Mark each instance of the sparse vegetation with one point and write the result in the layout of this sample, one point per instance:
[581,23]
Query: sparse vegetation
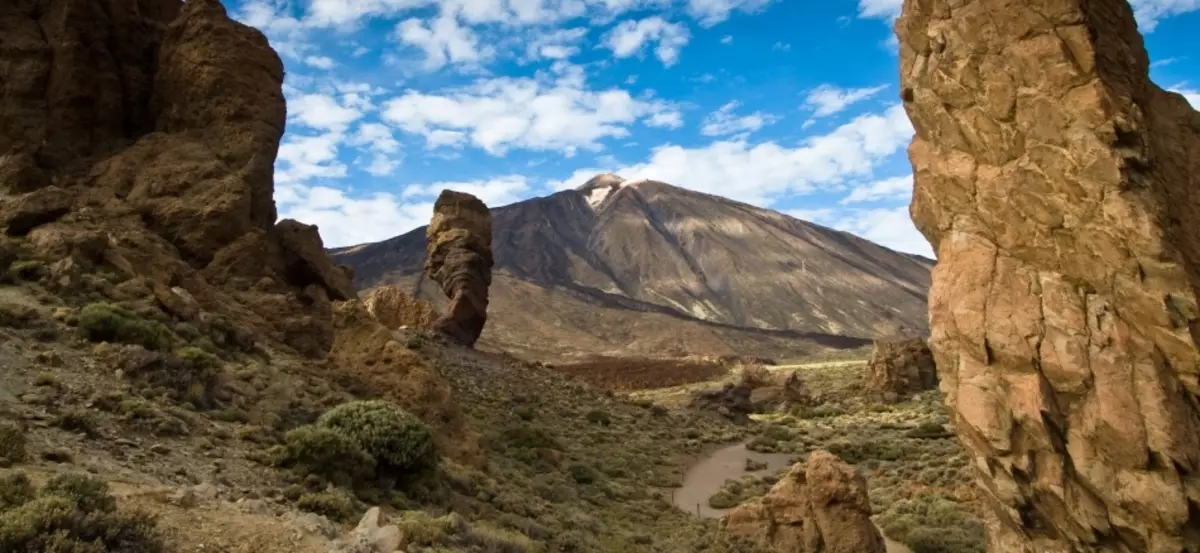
[104,322]
[398,441]
[12,445]
[72,513]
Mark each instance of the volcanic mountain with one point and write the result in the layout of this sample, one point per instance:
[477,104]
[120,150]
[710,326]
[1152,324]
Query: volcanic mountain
[619,265]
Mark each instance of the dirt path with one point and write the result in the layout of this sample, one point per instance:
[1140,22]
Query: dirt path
[705,477]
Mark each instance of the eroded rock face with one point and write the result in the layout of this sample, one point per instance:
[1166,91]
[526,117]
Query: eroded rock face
[395,309]
[819,507]
[1059,188]
[900,369]
[459,246]
[142,135]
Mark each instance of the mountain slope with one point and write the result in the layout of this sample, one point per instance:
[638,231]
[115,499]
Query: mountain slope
[647,246]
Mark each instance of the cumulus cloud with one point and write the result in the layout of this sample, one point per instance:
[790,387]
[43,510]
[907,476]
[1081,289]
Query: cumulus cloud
[891,227]
[531,113]
[827,99]
[322,111]
[559,44]
[725,122]
[443,41]
[711,12]
[630,37]
[345,219]
[894,188]
[762,173]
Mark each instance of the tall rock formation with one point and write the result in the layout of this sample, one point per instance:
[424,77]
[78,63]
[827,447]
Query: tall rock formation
[459,259]
[141,136]
[901,369]
[1061,191]
[819,507]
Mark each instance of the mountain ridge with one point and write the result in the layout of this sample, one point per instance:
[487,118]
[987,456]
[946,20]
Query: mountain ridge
[649,246]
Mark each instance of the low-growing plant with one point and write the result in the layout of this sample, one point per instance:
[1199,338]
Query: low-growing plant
[27,270]
[12,445]
[335,505]
[328,453]
[399,442]
[599,417]
[104,322]
[72,513]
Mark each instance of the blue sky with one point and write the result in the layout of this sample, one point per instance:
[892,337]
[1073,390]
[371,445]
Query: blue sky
[786,104]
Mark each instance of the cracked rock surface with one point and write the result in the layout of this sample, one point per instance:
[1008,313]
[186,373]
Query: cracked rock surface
[1061,191]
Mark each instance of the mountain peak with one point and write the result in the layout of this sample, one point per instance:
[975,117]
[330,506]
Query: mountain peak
[600,187]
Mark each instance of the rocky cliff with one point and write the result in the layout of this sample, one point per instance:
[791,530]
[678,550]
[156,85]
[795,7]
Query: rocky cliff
[1060,189]
[459,259]
[140,137]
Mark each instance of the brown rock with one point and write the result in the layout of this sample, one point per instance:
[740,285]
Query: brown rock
[36,208]
[394,309]
[366,352]
[819,507]
[459,245]
[1058,186]
[147,132]
[307,263]
[901,369]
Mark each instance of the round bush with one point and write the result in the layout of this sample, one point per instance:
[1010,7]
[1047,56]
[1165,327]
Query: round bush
[328,453]
[394,437]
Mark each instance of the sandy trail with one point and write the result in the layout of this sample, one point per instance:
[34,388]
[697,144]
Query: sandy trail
[705,477]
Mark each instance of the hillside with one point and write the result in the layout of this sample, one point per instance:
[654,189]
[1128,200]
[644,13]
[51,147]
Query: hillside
[676,261]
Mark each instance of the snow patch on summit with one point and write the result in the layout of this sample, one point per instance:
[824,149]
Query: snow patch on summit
[600,187]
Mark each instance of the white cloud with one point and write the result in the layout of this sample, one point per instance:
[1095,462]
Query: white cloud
[894,188]
[322,111]
[377,139]
[493,192]
[1165,62]
[711,12]
[665,119]
[762,173]
[302,158]
[1150,12]
[559,44]
[630,37]
[782,47]
[444,41]
[880,9]
[727,39]
[1191,95]
[503,113]
[345,220]
[826,100]
[320,62]
[724,122]
[890,227]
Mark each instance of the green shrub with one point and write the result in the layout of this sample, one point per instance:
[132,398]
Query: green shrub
[723,500]
[78,420]
[71,514]
[528,436]
[599,417]
[17,316]
[12,445]
[395,438]
[582,473]
[103,322]
[328,453]
[335,505]
[15,490]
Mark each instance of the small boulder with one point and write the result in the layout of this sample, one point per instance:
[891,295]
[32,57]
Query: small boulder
[819,507]
[36,208]
[901,369]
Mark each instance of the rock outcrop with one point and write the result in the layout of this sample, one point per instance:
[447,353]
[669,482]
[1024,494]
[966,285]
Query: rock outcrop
[819,507]
[394,308]
[459,246]
[1059,187]
[900,369]
[141,136]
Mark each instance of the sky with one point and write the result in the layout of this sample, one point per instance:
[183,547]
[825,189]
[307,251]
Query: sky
[791,105]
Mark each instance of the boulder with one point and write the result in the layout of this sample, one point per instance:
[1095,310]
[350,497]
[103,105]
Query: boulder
[900,369]
[394,308]
[1058,186]
[459,259]
[820,506]
[142,135]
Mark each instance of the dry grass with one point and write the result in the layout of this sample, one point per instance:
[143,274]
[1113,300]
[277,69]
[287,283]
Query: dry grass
[627,374]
